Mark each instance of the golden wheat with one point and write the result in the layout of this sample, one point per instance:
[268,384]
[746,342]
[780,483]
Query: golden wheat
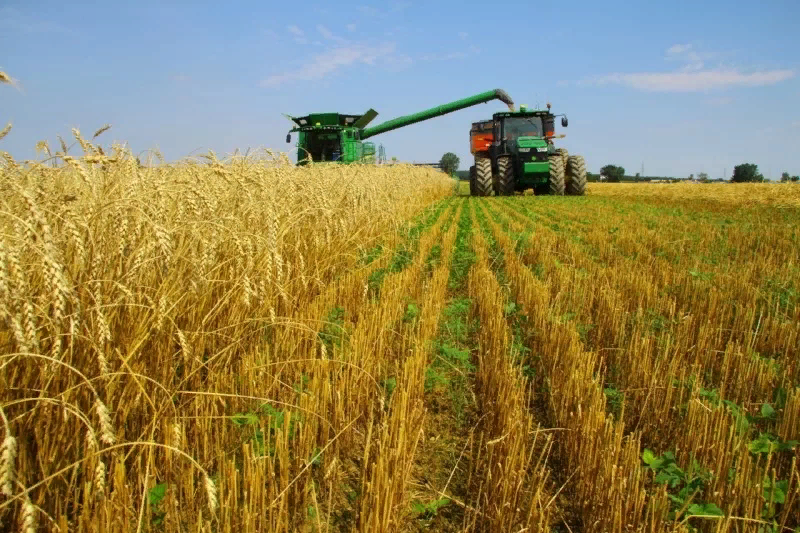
[239,344]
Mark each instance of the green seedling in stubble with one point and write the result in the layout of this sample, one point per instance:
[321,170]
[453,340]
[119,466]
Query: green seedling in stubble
[427,511]
[683,486]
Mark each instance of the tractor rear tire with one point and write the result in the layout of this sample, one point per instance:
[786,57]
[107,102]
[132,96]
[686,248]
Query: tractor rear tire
[506,182]
[564,155]
[472,174]
[483,176]
[556,181]
[576,176]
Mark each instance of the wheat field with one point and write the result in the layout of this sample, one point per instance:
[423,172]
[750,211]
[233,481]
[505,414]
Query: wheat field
[240,345]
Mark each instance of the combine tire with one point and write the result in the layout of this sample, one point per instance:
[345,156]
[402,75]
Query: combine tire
[483,176]
[576,176]
[472,187]
[506,184]
[564,155]
[556,175]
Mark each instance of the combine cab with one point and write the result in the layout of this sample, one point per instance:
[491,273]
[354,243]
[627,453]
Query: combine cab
[514,151]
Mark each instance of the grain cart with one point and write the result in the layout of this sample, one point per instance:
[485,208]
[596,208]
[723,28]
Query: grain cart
[514,151]
[337,137]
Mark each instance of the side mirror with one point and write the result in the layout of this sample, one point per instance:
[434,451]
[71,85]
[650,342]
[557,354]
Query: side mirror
[564,122]
[288,137]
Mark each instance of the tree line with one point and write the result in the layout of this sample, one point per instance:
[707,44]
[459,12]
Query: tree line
[743,173]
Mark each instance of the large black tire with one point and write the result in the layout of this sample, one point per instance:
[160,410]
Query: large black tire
[506,181]
[576,176]
[564,155]
[556,181]
[483,176]
[472,174]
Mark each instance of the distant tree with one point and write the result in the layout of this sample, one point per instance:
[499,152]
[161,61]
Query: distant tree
[703,177]
[795,179]
[613,173]
[449,163]
[691,177]
[785,177]
[746,173]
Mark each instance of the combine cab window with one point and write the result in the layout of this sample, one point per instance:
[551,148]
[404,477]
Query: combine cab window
[324,146]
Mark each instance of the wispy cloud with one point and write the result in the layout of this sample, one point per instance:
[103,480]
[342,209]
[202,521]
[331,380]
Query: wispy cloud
[463,35]
[12,20]
[351,27]
[449,56]
[693,75]
[299,35]
[339,57]
[329,35]
[341,53]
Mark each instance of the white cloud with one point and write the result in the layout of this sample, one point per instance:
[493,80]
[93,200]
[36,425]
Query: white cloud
[328,62]
[299,35]
[328,34]
[351,27]
[463,35]
[693,75]
[703,80]
[451,55]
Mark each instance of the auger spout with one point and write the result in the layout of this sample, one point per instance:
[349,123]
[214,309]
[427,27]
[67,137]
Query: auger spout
[399,122]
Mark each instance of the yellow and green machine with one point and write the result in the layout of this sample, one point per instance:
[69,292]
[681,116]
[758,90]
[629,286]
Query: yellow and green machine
[339,137]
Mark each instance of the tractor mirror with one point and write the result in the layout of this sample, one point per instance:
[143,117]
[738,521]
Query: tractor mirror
[288,137]
[564,122]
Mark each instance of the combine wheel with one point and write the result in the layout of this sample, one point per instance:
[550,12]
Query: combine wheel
[472,186]
[506,182]
[576,175]
[483,176]
[556,175]
[564,155]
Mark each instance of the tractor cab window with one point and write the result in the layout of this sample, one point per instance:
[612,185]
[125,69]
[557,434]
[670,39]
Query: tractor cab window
[514,127]
[323,146]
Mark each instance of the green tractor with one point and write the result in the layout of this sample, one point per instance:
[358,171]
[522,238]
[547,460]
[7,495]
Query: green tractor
[337,137]
[514,151]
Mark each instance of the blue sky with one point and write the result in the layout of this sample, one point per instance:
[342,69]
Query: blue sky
[681,87]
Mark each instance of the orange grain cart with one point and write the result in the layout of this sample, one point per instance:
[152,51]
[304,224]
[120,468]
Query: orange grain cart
[481,137]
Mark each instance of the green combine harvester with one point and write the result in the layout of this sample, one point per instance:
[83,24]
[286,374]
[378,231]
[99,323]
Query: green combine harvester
[514,151]
[336,137]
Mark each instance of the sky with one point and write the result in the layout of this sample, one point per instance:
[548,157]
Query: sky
[675,87]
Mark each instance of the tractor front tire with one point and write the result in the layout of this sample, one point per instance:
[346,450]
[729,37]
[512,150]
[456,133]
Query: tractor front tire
[576,176]
[483,176]
[556,181]
[472,187]
[506,182]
